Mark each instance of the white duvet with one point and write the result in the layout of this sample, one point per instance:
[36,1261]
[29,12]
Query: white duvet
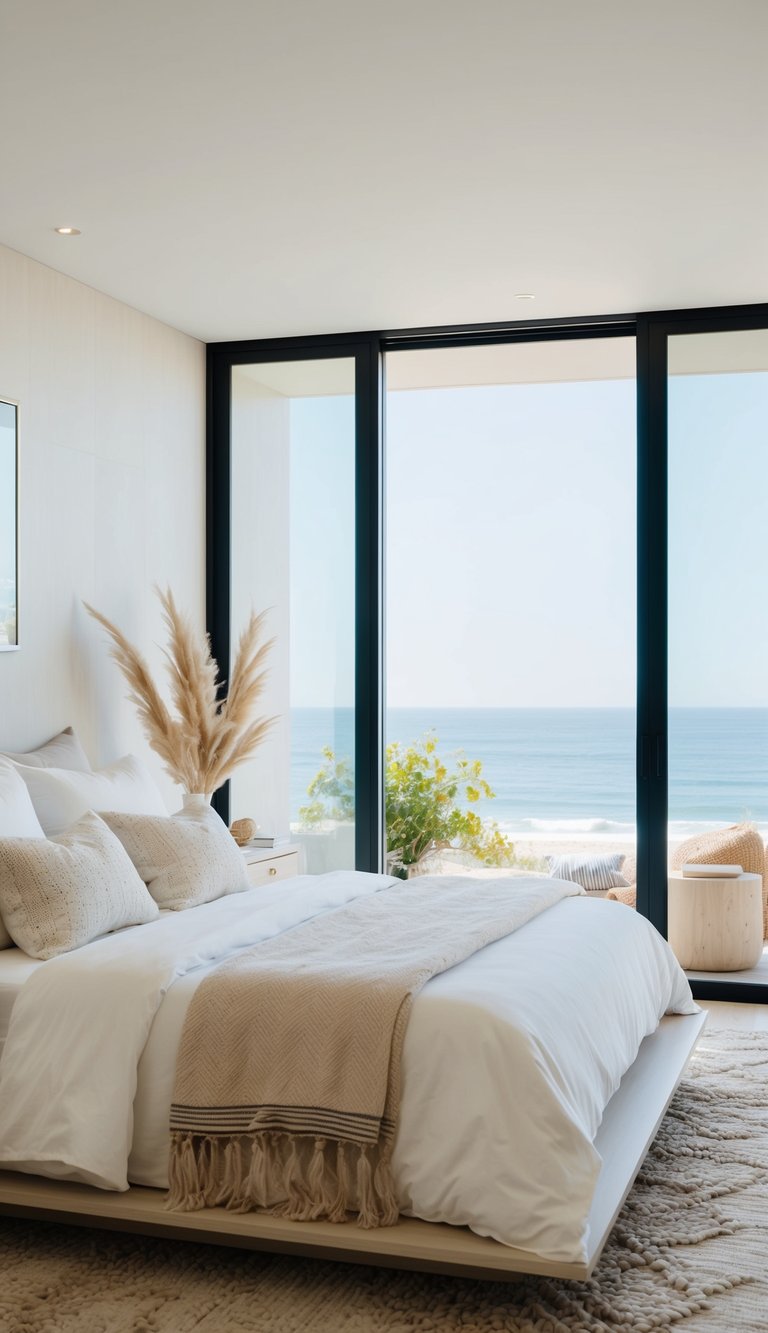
[509,1060]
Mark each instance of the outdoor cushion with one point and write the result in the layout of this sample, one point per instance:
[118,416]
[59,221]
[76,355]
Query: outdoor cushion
[593,873]
[740,844]
[627,896]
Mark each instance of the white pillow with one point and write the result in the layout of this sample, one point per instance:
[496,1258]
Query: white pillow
[62,751]
[61,797]
[17,819]
[185,860]
[59,893]
[17,813]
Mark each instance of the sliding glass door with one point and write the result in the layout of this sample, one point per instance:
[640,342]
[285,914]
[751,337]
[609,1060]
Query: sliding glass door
[574,650]
[511,610]
[297,499]
[718,634]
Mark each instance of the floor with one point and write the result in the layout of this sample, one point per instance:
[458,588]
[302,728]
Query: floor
[748,1017]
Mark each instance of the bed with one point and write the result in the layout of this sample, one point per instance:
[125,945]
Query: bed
[535,1075]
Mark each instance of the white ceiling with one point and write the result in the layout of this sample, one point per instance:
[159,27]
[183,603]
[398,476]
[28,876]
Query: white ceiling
[740,351]
[248,168]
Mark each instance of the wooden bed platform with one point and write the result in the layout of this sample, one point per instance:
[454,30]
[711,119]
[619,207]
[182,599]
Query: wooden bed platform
[629,1126]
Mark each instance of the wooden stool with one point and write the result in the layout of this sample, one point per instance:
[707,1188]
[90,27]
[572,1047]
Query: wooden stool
[716,925]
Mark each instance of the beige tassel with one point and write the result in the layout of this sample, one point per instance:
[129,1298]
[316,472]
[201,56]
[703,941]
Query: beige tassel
[238,1178]
[255,1192]
[384,1189]
[299,1203]
[230,1183]
[227,1179]
[214,1173]
[203,1169]
[320,1182]
[174,1199]
[291,1172]
[186,1193]
[206,1172]
[368,1214]
[338,1209]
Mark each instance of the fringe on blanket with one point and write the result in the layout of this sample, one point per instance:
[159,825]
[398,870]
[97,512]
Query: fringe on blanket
[311,1178]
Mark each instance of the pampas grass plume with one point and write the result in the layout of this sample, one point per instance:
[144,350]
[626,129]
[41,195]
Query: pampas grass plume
[206,737]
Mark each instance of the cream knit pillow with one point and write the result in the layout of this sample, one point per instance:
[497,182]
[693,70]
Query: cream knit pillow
[59,893]
[17,819]
[185,860]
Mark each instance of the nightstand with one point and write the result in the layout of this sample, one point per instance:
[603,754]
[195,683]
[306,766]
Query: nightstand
[266,864]
[716,925]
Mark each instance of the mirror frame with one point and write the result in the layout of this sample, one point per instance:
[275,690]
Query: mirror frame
[12,402]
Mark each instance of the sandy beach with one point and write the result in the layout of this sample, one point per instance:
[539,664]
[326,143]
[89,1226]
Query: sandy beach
[536,848]
[532,849]
[549,845]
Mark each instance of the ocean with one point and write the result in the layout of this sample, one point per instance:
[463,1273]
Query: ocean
[571,771]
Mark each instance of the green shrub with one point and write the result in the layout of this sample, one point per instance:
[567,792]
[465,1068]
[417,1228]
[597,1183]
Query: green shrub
[428,804]
[332,793]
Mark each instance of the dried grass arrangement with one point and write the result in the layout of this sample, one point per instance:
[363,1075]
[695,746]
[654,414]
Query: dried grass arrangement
[206,738]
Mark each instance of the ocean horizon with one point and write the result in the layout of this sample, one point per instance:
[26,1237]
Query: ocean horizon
[560,772]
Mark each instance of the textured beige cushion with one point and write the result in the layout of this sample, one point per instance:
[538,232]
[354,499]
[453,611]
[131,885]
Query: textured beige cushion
[62,751]
[185,860]
[59,893]
[739,845]
[17,819]
[628,896]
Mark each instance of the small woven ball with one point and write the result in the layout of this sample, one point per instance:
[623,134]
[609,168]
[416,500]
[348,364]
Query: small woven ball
[242,831]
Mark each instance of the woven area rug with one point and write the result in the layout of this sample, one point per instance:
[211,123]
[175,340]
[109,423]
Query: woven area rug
[689,1251]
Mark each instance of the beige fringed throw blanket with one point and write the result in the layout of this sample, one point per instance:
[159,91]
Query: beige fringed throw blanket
[288,1073]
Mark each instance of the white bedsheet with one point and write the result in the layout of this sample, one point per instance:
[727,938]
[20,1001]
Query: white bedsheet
[509,1059]
[15,967]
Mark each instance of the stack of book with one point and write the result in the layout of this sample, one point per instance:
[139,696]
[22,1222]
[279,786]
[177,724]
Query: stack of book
[691,871]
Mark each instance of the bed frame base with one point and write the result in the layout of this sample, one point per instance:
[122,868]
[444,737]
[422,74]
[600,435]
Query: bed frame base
[629,1126]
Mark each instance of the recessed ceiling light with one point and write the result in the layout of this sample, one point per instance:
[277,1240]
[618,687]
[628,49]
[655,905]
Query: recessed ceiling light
[67,231]
[525,296]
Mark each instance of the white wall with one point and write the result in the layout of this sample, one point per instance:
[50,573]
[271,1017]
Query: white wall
[261,580]
[112,496]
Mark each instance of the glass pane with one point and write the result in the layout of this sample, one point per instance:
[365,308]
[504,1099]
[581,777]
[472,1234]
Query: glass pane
[511,604]
[718,637]
[293,550]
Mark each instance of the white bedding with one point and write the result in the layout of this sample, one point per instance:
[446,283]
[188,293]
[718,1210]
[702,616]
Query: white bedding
[15,967]
[509,1058]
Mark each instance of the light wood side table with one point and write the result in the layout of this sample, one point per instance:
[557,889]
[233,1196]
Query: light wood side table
[716,925]
[267,864]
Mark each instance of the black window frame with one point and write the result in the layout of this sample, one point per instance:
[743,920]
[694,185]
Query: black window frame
[369,726]
[651,330]
[654,330]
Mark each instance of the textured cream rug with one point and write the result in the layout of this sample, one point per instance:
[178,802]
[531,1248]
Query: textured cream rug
[690,1250]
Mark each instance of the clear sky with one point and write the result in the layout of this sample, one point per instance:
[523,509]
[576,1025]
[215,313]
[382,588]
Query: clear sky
[511,545]
[510,563]
[322,548]
[718,493]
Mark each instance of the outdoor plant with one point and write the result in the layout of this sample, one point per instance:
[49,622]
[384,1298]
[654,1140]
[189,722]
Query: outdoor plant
[331,792]
[428,804]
